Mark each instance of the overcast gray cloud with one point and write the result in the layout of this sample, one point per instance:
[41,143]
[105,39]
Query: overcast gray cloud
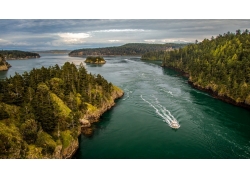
[76,34]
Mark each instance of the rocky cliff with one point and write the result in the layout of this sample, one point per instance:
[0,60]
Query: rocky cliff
[4,66]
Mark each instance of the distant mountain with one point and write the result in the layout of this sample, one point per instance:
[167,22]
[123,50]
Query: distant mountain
[127,49]
[54,51]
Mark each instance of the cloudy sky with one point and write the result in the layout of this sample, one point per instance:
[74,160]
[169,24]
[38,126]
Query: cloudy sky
[48,34]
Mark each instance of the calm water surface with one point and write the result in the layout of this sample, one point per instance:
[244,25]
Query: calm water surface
[137,126]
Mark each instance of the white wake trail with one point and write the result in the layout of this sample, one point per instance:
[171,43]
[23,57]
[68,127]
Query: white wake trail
[164,110]
[127,91]
[164,113]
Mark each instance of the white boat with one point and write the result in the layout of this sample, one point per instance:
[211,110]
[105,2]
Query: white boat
[174,124]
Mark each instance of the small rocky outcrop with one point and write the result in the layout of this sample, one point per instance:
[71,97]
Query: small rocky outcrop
[4,66]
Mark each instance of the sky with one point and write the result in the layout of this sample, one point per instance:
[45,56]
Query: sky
[70,34]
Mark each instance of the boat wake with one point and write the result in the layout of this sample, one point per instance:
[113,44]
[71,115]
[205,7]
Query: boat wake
[128,92]
[164,113]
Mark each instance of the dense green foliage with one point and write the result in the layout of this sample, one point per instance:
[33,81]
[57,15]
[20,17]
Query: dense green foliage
[95,60]
[15,54]
[221,64]
[154,55]
[41,109]
[127,49]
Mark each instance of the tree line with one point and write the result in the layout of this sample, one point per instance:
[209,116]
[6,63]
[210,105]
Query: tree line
[16,54]
[221,64]
[127,49]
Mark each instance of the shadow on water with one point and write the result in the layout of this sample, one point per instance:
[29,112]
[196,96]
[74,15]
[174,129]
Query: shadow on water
[235,118]
[173,73]
[98,128]
[156,62]
[95,65]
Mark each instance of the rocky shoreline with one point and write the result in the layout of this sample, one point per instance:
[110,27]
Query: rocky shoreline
[210,91]
[217,96]
[86,127]
[4,67]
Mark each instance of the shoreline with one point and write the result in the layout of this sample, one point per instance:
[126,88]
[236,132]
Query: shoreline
[209,91]
[30,57]
[92,117]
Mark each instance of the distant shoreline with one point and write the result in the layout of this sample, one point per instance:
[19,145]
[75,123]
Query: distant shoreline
[31,57]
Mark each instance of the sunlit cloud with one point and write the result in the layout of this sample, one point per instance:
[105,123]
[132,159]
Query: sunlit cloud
[73,35]
[175,40]
[72,38]
[150,40]
[120,30]
[115,40]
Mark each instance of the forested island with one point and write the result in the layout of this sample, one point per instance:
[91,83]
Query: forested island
[15,54]
[95,60]
[42,112]
[4,66]
[220,66]
[127,49]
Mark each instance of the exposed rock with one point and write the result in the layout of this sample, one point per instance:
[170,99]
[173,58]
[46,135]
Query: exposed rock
[87,131]
[70,150]
[4,68]
[85,123]
[94,116]
[58,152]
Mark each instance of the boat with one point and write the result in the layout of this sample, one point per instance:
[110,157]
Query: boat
[174,124]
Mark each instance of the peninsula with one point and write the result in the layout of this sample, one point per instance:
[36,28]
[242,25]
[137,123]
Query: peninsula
[42,112]
[16,54]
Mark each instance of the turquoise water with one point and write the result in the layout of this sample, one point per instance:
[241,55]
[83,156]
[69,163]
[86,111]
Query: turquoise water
[136,127]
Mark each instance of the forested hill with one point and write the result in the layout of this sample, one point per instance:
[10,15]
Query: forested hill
[15,54]
[220,65]
[41,111]
[127,49]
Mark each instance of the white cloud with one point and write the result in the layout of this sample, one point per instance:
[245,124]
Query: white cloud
[150,40]
[120,30]
[73,35]
[115,40]
[73,38]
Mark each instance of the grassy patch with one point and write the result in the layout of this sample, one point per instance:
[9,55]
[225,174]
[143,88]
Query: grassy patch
[66,138]
[91,108]
[46,142]
[10,141]
[117,89]
[63,108]
[34,152]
